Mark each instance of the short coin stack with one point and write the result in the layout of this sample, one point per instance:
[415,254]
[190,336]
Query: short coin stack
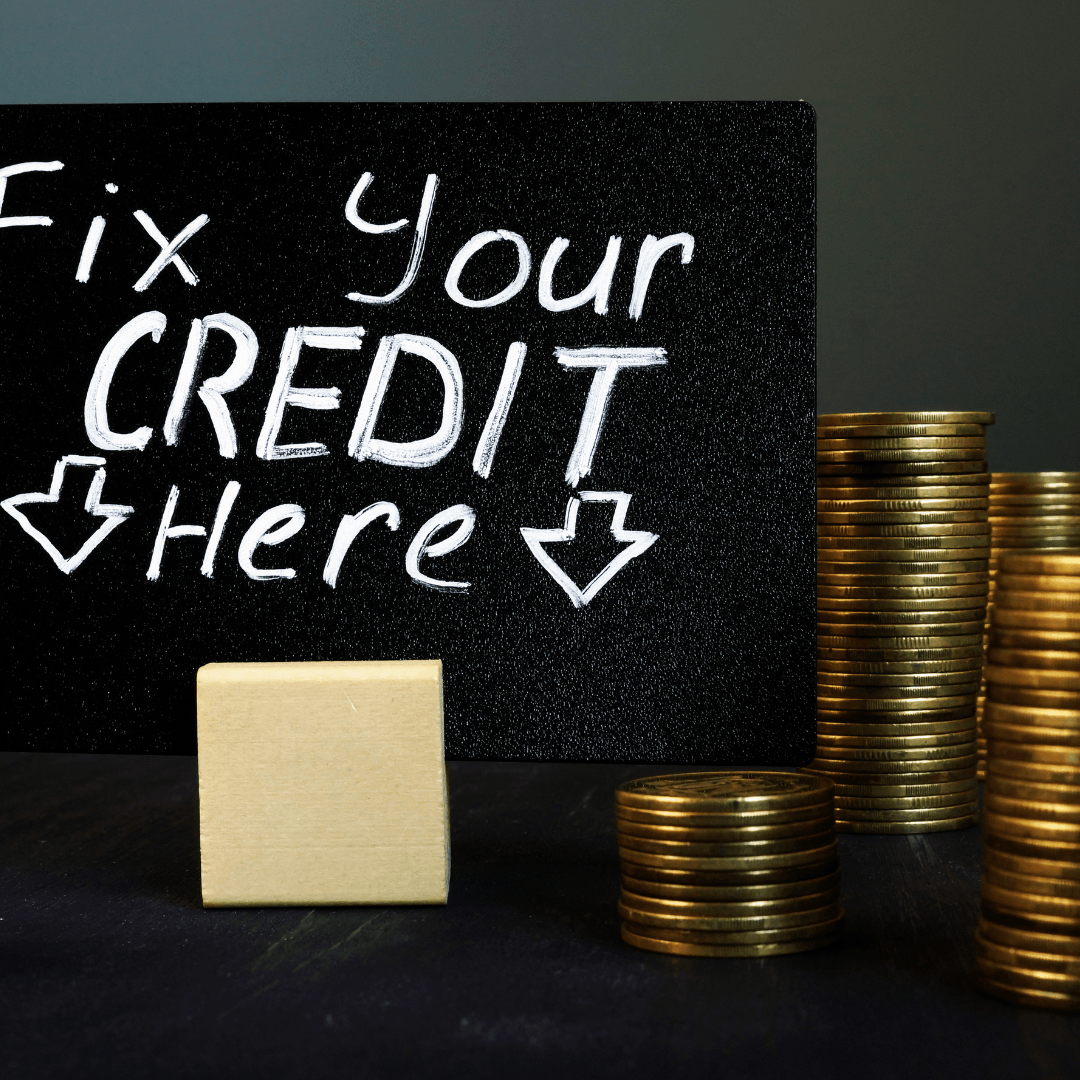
[1028,942]
[1029,510]
[728,863]
[903,546]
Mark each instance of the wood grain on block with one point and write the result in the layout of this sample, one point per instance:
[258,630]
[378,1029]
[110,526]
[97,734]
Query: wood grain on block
[322,783]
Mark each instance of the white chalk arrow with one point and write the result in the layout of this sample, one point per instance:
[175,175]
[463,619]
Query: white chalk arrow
[113,513]
[639,542]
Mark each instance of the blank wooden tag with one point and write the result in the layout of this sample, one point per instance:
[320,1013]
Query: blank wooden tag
[323,783]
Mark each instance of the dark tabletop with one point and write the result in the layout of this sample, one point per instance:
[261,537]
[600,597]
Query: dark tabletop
[110,967]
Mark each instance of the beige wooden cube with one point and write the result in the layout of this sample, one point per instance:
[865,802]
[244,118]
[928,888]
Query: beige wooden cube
[323,783]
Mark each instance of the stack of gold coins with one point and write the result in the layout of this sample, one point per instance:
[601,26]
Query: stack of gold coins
[728,863]
[1028,510]
[1028,942]
[903,546]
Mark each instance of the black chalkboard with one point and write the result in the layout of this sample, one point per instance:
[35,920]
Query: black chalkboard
[529,388]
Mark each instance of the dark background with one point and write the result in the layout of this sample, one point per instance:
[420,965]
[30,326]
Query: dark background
[948,148]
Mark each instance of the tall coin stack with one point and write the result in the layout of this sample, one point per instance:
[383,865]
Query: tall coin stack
[728,863]
[1028,941]
[1028,510]
[903,546]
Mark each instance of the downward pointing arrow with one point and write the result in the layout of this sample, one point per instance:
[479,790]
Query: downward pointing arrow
[113,513]
[639,542]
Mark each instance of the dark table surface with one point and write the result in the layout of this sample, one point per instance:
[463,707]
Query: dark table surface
[109,966]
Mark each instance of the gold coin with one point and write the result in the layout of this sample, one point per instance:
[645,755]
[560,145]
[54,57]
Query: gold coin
[1037,601]
[972,607]
[723,819]
[1025,986]
[1035,678]
[943,545]
[741,937]
[897,482]
[926,635]
[1065,991]
[889,705]
[1015,995]
[1032,791]
[907,827]
[1045,521]
[1063,640]
[1006,618]
[1039,583]
[1041,886]
[1043,755]
[955,529]
[837,419]
[906,790]
[1046,659]
[880,456]
[876,471]
[1064,500]
[1033,716]
[901,560]
[687,948]
[1057,564]
[1063,906]
[1038,772]
[1033,847]
[910,817]
[736,862]
[1011,544]
[890,518]
[1034,828]
[731,850]
[883,488]
[719,792]
[692,911]
[975,593]
[1026,696]
[1036,479]
[829,751]
[717,894]
[836,683]
[827,441]
[1024,958]
[904,668]
[1034,500]
[876,655]
[739,833]
[739,924]
[952,738]
[1035,920]
[900,431]
[901,730]
[944,769]
[1032,515]
[782,875]
[829,503]
[873,431]
[934,678]
[1029,939]
[1032,866]
[895,693]
[979,581]
[1025,733]
[916,716]
[911,802]
[1031,808]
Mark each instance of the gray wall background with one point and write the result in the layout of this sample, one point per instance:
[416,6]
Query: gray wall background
[949,146]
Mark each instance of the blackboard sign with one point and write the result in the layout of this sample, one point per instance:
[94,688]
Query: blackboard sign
[527,388]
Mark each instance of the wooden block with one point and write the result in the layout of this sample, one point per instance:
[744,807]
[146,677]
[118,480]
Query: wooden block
[323,783]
